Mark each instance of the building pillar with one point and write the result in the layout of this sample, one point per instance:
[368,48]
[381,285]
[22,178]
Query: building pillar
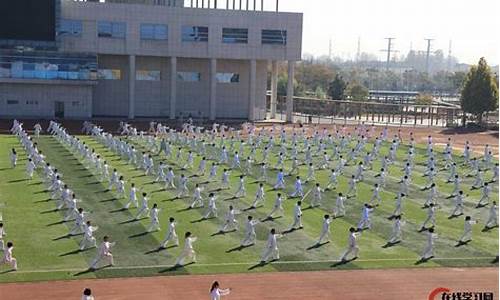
[274,88]
[213,89]
[289,91]
[131,86]
[251,93]
[173,86]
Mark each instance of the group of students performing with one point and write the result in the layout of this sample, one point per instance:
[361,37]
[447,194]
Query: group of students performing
[318,151]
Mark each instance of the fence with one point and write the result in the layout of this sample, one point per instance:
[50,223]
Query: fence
[327,111]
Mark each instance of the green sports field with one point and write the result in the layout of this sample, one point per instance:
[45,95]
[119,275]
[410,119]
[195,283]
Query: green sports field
[45,252]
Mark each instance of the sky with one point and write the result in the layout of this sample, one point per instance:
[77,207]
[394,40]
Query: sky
[472,26]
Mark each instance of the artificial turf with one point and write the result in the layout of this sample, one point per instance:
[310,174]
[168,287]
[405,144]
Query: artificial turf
[45,252]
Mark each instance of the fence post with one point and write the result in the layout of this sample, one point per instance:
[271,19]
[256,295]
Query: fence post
[415,115]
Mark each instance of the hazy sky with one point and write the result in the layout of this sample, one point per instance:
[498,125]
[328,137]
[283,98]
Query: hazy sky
[472,25]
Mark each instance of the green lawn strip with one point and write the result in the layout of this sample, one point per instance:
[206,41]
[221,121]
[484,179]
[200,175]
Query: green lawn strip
[29,221]
[130,249]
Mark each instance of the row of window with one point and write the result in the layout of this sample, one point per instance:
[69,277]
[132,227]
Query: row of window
[35,102]
[159,32]
[115,74]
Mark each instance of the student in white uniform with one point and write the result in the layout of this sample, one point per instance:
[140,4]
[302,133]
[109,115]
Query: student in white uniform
[2,234]
[103,252]
[485,195]
[278,206]
[467,235]
[365,222]
[212,208]
[492,217]
[259,196]
[241,191]
[188,251]
[230,222]
[428,252]
[396,235]
[298,191]
[317,196]
[280,180]
[88,236]
[132,198]
[459,205]
[8,258]
[154,215]
[144,210]
[197,198]
[297,217]
[250,234]
[13,158]
[171,235]
[352,245]
[339,209]
[271,250]
[325,230]
[216,292]
[30,168]
[431,217]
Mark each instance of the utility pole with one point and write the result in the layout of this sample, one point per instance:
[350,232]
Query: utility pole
[389,50]
[330,49]
[358,53]
[427,56]
[449,57]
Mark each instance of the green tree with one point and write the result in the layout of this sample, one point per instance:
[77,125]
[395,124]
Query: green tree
[423,99]
[480,91]
[337,87]
[357,92]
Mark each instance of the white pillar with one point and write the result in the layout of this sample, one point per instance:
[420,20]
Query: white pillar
[289,91]
[213,89]
[251,93]
[131,86]
[274,88]
[173,86]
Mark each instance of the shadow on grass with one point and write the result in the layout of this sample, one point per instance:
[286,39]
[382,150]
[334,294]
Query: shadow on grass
[343,262]
[159,249]
[239,248]
[316,246]
[138,234]
[391,244]
[423,260]
[175,268]
[222,232]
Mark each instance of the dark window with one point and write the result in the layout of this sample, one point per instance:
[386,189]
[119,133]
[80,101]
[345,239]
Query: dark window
[70,28]
[235,35]
[111,29]
[154,32]
[194,34]
[276,37]
[11,102]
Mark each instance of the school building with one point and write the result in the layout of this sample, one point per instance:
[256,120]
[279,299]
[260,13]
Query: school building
[149,59]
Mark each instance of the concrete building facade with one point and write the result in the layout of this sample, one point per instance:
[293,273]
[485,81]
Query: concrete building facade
[157,59]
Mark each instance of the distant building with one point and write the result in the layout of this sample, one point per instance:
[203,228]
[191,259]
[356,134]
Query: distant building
[143,58]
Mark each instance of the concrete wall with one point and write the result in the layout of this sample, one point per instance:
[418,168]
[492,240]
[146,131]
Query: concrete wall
[175,18]
[77,99]
[152,97]
[110,97]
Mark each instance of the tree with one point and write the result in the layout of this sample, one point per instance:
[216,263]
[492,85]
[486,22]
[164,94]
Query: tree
[480,91]
[423,99]
[357,92]
[337,87]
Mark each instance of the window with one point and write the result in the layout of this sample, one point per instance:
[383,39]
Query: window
[189,76]
[235,35]
[109,74]
[70,28]
[111,29]
[75,103]
[147,75]
[31,102]
[12,102]
[194,34]
[227,77]
[276,37]
[154,32]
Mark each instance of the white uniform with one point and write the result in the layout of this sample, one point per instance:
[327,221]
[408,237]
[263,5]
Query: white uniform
[396,234]
[250,234]
[88,237]
[429,248]
[217,293]
[230,221]
[271,249]
[365,221]
[2,234]
[259,196]
[352,246]
[104,252]
[9,259]
[197,198]
[325,230]
[170,236]
[492,217]
[298,189]
[339,206]
[280,181]
[132,199]
[297,217]
[187,252]
[467,235]
[431,216]
[144,208]
[212,208]
[155,219]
